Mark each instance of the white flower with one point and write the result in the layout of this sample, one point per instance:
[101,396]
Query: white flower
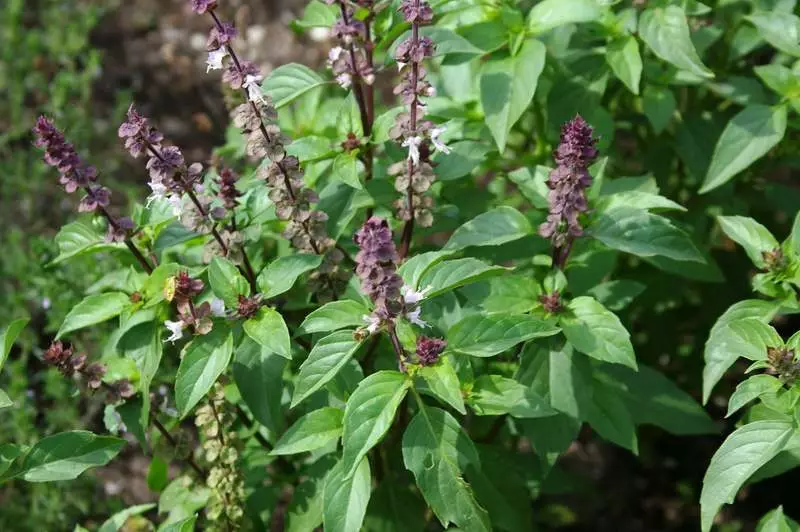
[217,307]
[412,143]
[176,202]
[373,322]
[400,66]
[215,57]
[412,297]
[413,317]
[438,144]
[253,85]
[334,54]
[159,191]
[344,80]
[176,328]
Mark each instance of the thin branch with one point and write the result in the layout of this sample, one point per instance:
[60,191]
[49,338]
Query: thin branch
[189,458]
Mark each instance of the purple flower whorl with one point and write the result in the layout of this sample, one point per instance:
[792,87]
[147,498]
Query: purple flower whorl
[376,265]
[568,182]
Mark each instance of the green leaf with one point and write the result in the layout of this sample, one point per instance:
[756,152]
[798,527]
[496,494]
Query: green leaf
[258,373]
[94,309]
[334,315]
[659,105]
[346,498]
[447,42]
[311,432]
[776,521]
[204,360]
[323,363]
[464,157]
[318,15]
[492,228]
[268,329]
[288,82]
[369,414]
[781,30]
[5,401]
[644,234]
[610,418]
[66,455]
[509,294]
[345,169]
[653,399]
[493,395]
[395,507]
[780,79]
[570,378]
[283,272]
[486,336]
[142,344]
[442,381]
[414,268]
[622,55]
[751,389]
[226,281]
[753,132]
[721,349]
[182,525]
[501,486]
[751,235]
[616,295]
[157,474]
[666,32]
[550,436]
[79,238]
[596,331]
[508,86]
[449,275]
[639,200]
[116,521]
[9,336]
[305,511]
[550,14]
[437,452]
[740,455]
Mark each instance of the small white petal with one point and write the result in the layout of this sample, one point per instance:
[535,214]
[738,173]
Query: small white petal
[176,202]
[414,318]
[411,296]
[400,66]
[344,80]
[334,54]
[215,57]
[438,144]
[412,143]
[253,85]
[176,330]
[217,307]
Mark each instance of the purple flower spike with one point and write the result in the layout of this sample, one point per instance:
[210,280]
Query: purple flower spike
[376,265]
[61,155]
[568,183]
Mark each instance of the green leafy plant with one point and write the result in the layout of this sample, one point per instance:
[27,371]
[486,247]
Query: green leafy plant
[398,313]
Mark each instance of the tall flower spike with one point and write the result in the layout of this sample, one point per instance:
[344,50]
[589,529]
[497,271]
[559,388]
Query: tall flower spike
[568,182]
[306,226]
[75,174]
[414,178]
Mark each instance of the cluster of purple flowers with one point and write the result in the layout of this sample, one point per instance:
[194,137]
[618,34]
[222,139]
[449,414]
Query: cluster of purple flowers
[75,174]
[429,349]
[283,174]
[351,62]
[419,136]
[568,183]
[68,363]
[376,267]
